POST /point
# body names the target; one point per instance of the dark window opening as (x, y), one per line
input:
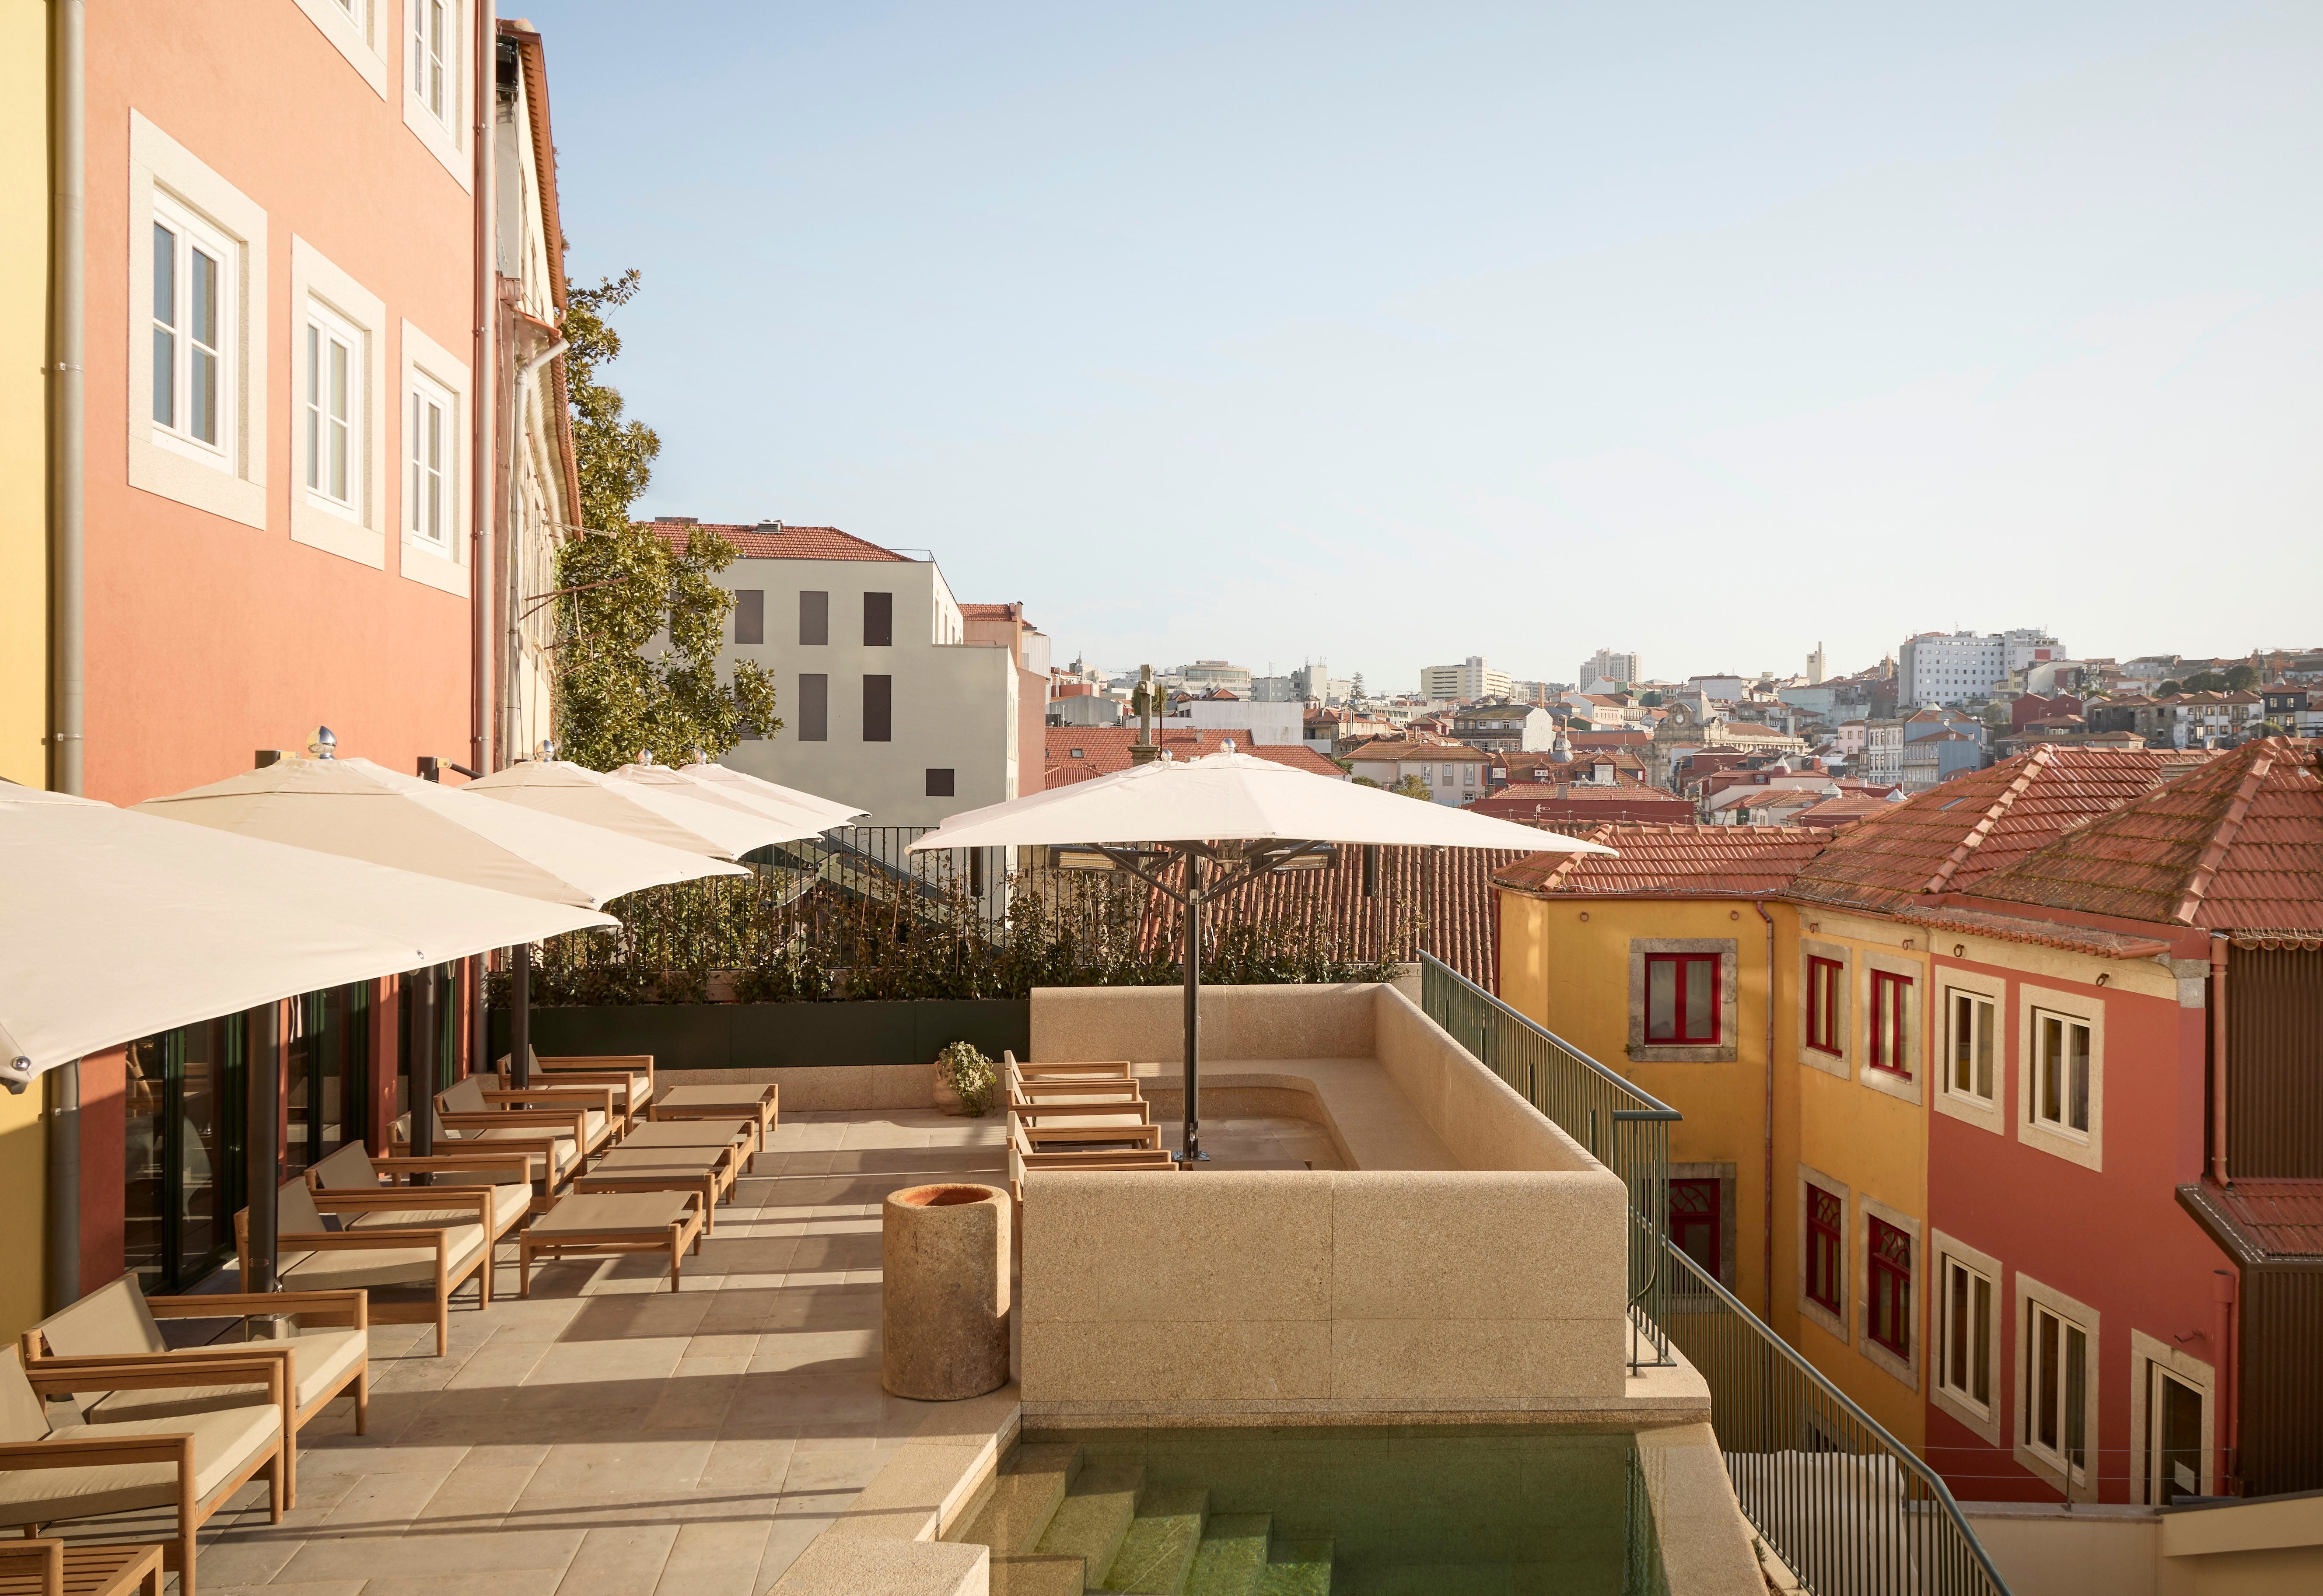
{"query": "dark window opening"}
(1890, 1287)
(878, 709)
(939, 782)
(1693, 1219)
(749, 615)
(814, 620)
(1826, 1248)
(814, 708)
(878, 621)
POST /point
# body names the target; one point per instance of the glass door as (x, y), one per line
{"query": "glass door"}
(2174, 1430)
(182, 1168)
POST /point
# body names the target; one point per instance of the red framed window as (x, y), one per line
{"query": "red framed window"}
(1826, 1248)
(1693, 1221)
(1889, 993)
(1682, 999)
(1823, 978)
(1889, 1287)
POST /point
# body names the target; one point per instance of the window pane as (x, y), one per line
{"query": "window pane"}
(1984, 1012)
(313, 409)
(2077, 1041)
(2076, 1390)
(814, 620)
(165, 276)
(1702, 999)
(1956, 1330)
(202, 307)
(2051, 1049)
(2044, 1383)
(165, 376)
(1982, 1389)
(146, 1208)
(878, 709)
(878, 621)
(201, 406)
(815, 708)
(417, 465)
(1661, 999)
(201, 1149)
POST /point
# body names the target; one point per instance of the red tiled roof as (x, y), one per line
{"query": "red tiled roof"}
(985, 611)
(2048, 934)
(1581, 741)
(1105, 749)
(1387, 748)
(769, 542)
(2261, 1221)
(1707, 861)
(1844, 809)
(2236, 844)
(1947, 839)
(1581, 805)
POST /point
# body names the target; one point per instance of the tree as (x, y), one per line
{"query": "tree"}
(2206, 682)
(1411, 786)
(1651, 701)
(620, 586)
(2169, 690)
(2242, 679)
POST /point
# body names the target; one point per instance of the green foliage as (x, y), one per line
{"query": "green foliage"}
(621, 586)
(1411, 786)
(970, 1073)
(2169, 690)
(2206, 682)
(1651, 701)
(2242, 678)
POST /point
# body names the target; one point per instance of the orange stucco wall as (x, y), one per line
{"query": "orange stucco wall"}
(207, 638)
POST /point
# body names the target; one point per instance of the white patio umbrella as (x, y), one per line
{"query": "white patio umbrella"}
(1225, 812)
(766, 805)
(725, 778)
(679, 819)
(359, 810)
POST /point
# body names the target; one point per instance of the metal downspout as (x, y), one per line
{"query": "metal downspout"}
(479, 546)
(1766, 1204)
(2218, 1060)
(68, 291)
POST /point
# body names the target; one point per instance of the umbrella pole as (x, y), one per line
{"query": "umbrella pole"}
(419, 986)
(263, 1070)
(521, 1018)
(1193, 1152)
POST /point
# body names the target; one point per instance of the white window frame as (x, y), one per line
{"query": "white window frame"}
(440, 563)
(1948, 1319)
(2034, 1305)
(431, 457)
(353, 528)
(2081, 1146)
(1954, 987)
(445, 132)
(190, 235)
(167, 182)
(2150, 1359)
(353, 27)
(2056, 1083)
(329, 408)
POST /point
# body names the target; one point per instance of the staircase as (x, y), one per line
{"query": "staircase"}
(1058, 1525)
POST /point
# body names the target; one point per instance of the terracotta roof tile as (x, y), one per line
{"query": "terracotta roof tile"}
(1709, 861)
(1950, 837)
(2236, 844)
(1384, 749)
(767, 541)
(2262, 1221)
(987, 611)
(1105, 748)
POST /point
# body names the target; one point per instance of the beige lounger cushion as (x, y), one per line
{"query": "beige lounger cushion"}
(508, 1201)
(225, 1440)
(467, 1097)
(324, 1355)
(110, 1321)
(590, 1212)
(336, 1269)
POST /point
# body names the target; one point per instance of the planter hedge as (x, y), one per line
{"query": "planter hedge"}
(779, 1035)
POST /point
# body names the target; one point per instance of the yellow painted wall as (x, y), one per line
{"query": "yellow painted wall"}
(1572, 974)
(24, 557)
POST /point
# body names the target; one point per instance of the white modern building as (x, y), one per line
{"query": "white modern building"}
(1204, 674)
(894, 694)
(1469, 680)
(1958, 667)
(1606, 665)
(1261, 724)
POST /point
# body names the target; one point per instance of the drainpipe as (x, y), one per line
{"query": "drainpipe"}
(2218, 1060)
(67, 288)
(2222, 1299)
(480, 545)
(1766, 1196)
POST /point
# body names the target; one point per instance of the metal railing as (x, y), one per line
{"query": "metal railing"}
(1846, 1505)
(1843, 1503)
(1624, 1128)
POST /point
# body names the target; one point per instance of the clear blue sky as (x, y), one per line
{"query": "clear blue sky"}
(1399, 333)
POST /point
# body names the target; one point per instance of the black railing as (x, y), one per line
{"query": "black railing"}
(1846, 1506)
(1624, 1128)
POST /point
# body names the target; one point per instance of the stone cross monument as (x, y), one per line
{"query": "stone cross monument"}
(1144, 699)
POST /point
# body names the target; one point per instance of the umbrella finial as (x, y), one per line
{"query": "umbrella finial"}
(1225, 745)
(644, 756)
(699, 755)
(323, 744)
(547, 751)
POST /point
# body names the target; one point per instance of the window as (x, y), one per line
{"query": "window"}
(2056, 1389)
(1694, 1222)
(878, 621)
(1825, 978)
(331, 410)
(2173, 1429)
(814, 621)
(193, 303)
(429, 507)
(2061, 1072)
(434, 46)
(1970, 1021)
(939, 782)
(814, 708)
(878, 709)
(1889, 993)
(1682, 999)
(1826, 1248)
(749, 615)
(1967, 1333)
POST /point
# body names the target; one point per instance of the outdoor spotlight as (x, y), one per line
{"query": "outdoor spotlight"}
(323, 744)
(1081, 859)
(16, 1075)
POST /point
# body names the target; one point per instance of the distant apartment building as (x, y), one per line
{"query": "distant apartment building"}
(1724, 686)
(1464, 683)
(894, 694)
(1454, 773)
(1959, 667)
(1204, 674)
(1504, 726)
(1248, 720)
(1606, 665)
(1816, 668)
(1883, 751)
(2212, 720)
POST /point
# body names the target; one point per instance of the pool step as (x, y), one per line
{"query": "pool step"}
(1296, 1568)
(1093, 1519)
(1025, 1495)
(1158, 1551)
(1232, 1555)
(1028, 1573)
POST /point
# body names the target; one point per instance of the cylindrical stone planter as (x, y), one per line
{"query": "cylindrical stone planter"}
(944, 1295)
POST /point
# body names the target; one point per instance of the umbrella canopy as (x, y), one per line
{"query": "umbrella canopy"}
(726, 779)
(661, 814)
(118, 925)
(813, 817)
(361, 811)
(1230, 797)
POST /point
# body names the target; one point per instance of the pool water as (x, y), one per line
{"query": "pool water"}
(1367, 1511)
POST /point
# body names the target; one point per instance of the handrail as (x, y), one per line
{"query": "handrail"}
(1654, 1108)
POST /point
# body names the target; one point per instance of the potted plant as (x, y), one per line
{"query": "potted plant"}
(964, 1080)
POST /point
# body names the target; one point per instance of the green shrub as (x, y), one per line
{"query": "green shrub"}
(970, 1073)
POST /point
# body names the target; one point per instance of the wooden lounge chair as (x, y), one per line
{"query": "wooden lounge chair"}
(1067, 1134)
(1024, 1157)
(630, 1074)
(351, 1171)
(599, 1224)
(739, 1134)
(762, 1102)
(708, 1172)
(1058, 1069)
(116, 1326)
(51, 1568)
(194, 1463)
(585, 1113)
(427, 1261)
(552, 1155)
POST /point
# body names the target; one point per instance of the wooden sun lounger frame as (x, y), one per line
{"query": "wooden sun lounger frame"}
(607, 1070)
(82, 1569)
(684, 1235)
(712, 1184)
(449, 1277)
(764, 1114)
